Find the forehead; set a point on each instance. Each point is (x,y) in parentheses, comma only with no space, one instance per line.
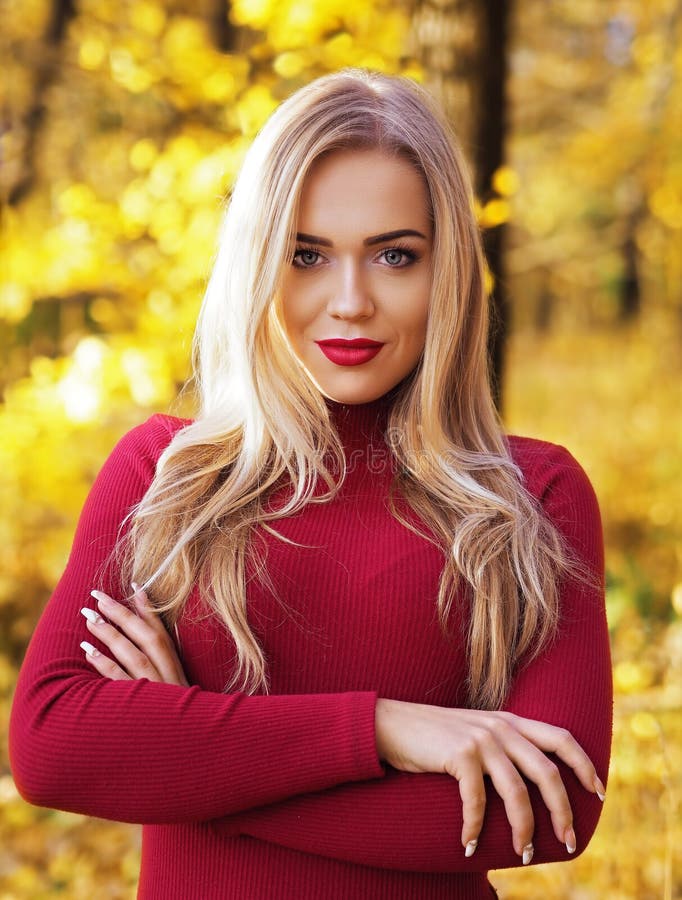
(367,191)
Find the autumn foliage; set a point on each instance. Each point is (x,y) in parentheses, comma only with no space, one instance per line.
(122,126)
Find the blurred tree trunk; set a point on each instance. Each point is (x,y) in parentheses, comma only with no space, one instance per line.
(47,69)
(463,46)
(223,32)
(630,294)
(489,140)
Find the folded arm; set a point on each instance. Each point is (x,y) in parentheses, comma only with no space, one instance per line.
(415,821)
(150,752)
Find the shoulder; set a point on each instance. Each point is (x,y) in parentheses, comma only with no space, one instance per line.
(131,465)
(149,439)
(122,482)
(545,466)
(158,430)
(553,476)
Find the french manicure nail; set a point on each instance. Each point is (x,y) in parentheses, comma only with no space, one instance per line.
(92,616)
(470,848)
(101,598)
(89,649)
(569,838)
(527,854)
(599,789)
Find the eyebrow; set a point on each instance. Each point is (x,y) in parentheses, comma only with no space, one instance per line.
(368,242)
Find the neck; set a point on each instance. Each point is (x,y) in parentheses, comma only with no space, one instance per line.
(360,422)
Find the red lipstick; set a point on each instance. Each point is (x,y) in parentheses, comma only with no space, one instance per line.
(353,352)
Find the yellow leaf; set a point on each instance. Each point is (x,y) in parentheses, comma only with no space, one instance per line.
(143,154)
(676,598)
(253,108)
(91,53)
(630,676)
(147,17)
(644,726)
(495,212)
(289,65)
(666,205)
(506,181)
(254,13)
(15,302)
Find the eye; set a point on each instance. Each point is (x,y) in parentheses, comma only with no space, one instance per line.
(306,258)
(397,257)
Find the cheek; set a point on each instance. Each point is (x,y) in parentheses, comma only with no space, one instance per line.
(297,305)
(419,336)
(418,331)
(415,318)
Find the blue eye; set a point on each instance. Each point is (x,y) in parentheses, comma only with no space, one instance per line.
(397,257)
(306,258)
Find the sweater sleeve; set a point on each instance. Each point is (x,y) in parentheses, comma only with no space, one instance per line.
(145,752)
(414,821)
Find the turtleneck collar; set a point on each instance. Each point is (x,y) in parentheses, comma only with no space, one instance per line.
(360,423)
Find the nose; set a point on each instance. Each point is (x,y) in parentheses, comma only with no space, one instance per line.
(350,297)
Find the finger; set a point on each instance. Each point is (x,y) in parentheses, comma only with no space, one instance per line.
(560,741)
(105,666)
(145,610)
(146,634)
(157,659)
(169,664)
(127,656)
(535,765)
(510,786)
(126,653)
(472,792)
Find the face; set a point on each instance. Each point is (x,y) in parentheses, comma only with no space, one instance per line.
(355,297)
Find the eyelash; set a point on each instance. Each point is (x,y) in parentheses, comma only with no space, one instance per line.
(299,252)
(410,255)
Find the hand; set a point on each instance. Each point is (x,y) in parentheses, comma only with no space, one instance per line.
(468,744)
(140,645)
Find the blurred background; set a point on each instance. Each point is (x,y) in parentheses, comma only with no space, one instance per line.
(122,125)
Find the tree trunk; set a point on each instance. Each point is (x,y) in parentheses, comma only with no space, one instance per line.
(61,13)
(490,132)
(223,32)
(630,294)
(463,46)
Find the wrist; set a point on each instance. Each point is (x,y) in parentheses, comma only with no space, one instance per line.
(384,716)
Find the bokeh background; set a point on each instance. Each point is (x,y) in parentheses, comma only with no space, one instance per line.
(122,124)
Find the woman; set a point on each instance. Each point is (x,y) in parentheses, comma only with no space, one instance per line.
(392,668)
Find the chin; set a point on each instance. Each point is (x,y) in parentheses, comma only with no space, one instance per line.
(352,388)
(352,399)
(353,396)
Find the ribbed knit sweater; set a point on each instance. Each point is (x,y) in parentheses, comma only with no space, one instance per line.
(283,795)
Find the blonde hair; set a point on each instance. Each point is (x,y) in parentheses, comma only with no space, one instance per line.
(261,420)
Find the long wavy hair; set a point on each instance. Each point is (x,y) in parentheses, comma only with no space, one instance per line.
(262,422)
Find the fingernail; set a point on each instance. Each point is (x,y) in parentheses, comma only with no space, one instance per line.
(600,789)
(89,649)
(569,838)
(470,848)
(92,616)
(527,854)
(101,598)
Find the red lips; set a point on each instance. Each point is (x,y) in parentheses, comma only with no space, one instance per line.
(354,352)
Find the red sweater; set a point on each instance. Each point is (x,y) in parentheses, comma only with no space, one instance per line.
(283,796)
